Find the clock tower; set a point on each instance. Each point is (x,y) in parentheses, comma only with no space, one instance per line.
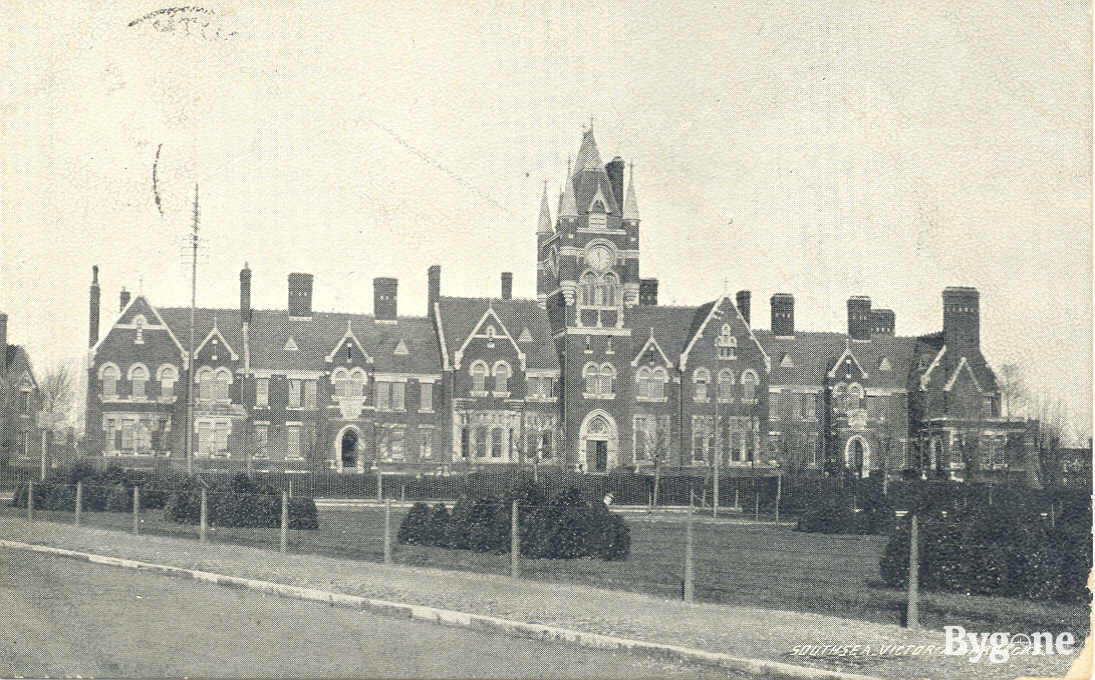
(588,264)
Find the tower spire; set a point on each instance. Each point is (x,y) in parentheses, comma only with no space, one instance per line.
(631,205)
(567,205)
(543,226)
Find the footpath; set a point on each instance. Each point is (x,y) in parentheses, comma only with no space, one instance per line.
(768,643)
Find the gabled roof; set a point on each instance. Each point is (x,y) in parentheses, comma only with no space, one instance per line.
(848,353)
(957,372)
(813,354)
(651,342)
(16,358)
(458,317)
(215,332)
(671,325)
(315,337)
(160,321)
(704,315)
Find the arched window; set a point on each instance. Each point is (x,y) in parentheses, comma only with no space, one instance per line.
(840,396)
(479,376)
(204,379)
(587,288)
(726,343)
(597,207)
(658,378)
(700,379)
(168,375)
(341,379)
(221,381)
(138,381)
(855,396)
(609,282)
(726,385)
(642,383)
(501,376)
(108,376)
(591,374)
(749,383)
(357,380)
(608,380)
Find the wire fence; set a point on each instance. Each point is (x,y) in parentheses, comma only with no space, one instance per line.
(684,555)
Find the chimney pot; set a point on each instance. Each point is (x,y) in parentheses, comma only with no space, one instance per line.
(384,298)
(783,314)
(859,317)
(93,308)
(743,298)
(433,287)
(300,294)
(245,294)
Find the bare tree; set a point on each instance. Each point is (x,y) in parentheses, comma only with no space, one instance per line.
(656,442)
(57,390)
(1050,431)
(1013,389)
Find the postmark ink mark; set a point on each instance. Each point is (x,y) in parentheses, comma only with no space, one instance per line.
(155,182)
(188,21)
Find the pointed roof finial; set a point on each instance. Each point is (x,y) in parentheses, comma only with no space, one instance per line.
(589,158)
(543,226)
(631,204)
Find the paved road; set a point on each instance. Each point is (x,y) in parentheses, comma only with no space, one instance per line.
(61,617)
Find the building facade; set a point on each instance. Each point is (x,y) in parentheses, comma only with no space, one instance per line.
(593,374)
(20,436)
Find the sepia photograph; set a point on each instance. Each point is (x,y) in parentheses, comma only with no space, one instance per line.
(546,339)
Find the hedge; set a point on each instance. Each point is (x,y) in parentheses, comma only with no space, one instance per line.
(239,502)
(1006,549)
(566,527)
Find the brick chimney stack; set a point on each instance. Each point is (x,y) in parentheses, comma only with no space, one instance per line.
(245,294)
(300,295)
(93,308)
(742,299)
(123,299)
(507,285)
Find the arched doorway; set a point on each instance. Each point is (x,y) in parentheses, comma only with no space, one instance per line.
(600,441)
(349,448)
(857,456)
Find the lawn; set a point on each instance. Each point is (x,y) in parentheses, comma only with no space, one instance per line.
(757,565)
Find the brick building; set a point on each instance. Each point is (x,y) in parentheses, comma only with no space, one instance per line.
(594,373)
(20,437)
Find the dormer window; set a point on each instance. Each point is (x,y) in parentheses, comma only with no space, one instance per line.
(726,343)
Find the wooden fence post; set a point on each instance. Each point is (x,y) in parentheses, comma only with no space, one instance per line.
(912,619)
(688,570)
(204,521)
(379,485)
(30,500)
(284,522)
(514,542)
(756,501)
(137,510)
(779,493)
(79,501)
(387,532)
(715,490)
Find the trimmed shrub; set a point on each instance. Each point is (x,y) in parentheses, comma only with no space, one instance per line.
(437,525)
(414,529)
(1004,549)
(239,502)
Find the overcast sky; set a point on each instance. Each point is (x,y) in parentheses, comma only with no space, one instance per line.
(881,148)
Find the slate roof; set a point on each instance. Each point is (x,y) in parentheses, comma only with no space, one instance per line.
(16,355)
(673,326)
(460,315)
(315,337)
(812,354)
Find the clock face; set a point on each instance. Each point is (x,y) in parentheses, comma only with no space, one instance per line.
(599,258)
